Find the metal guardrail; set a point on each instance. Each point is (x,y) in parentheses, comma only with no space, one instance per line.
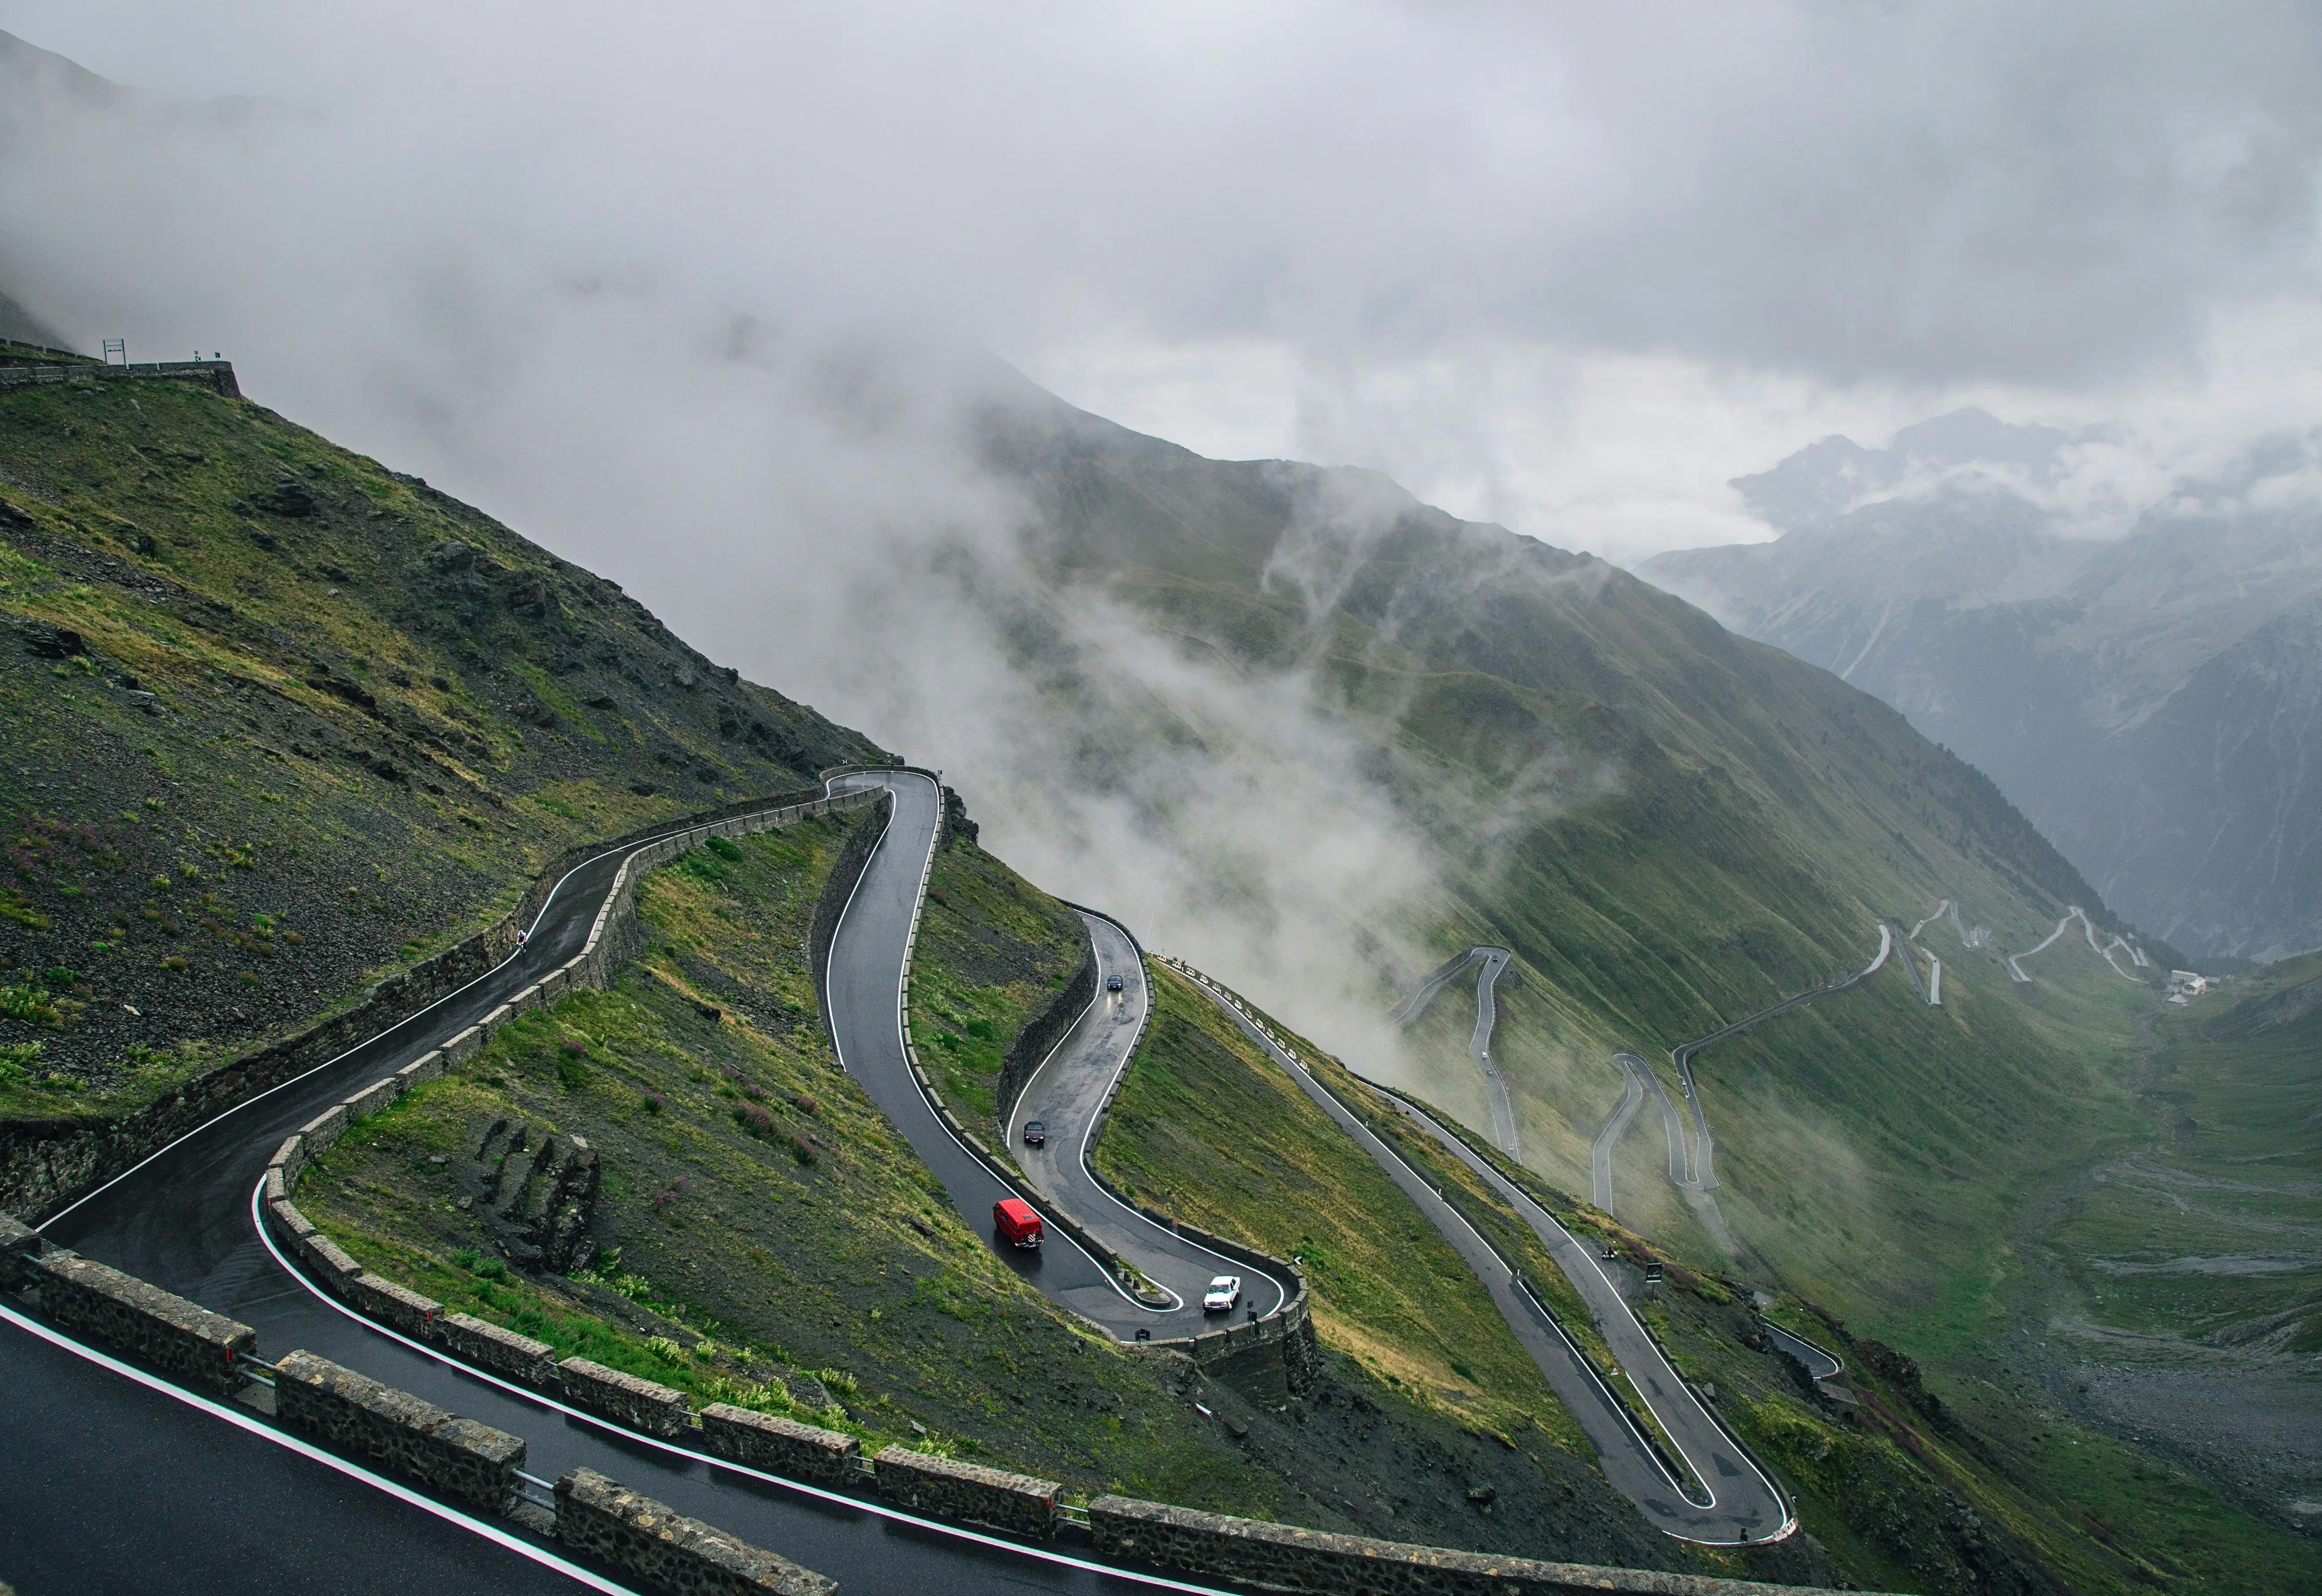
(256,1367)
(531,1488)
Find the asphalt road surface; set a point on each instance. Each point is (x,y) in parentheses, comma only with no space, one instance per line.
(1819,1364)
(1494,962)
(867,958)
(1740,1502)
(1066,1094)
(1701,1175)
(186,1220)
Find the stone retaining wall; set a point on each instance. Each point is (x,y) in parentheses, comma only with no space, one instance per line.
(1282,1557)
(179,1338)
(214,374)
(395,1431)
(945,1488)
(838,889)
(782,1446)
(1039,1036)
(667,1550)
(19,1246)
(640,1404)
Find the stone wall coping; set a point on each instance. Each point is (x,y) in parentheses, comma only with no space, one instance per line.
(975,1473)
(1321,1560)
(492,1348)
(19,1245)
(671,1551)
(657,1409)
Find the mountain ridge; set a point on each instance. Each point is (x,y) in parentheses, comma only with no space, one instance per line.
(2147,699)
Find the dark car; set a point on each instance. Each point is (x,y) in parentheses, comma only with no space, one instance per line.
(1036,1135)
(1112,983)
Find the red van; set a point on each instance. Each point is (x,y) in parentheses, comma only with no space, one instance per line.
(1018,1225)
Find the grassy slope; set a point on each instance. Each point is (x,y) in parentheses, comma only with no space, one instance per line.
(1209,1130)
(1909,1493)
(993,951)
(1672,826)
(842,1256)
(2169,1293)
(236,862)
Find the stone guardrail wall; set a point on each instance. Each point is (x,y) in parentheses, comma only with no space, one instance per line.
(47,1163)
(352,1413)
(1280,1557)
(217,374)
(949,1488)
(1041,1035)
(782,1446)
(180,1339)
(666,1549)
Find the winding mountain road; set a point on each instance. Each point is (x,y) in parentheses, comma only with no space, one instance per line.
(2102,951)
(869,956)
(1819,1364)
(1639,1080)
(1067,1094)
(1730,1501)
(1494,962)
(185,1219)
(1701,1167)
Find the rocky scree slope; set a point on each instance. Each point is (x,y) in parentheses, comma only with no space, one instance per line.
(281,719)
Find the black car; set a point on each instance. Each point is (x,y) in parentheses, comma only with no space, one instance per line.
(1112,983)
(1036,1135)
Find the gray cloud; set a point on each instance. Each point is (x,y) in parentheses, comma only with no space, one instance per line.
(683,293)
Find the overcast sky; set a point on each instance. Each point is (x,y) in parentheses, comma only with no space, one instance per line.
(1566,267)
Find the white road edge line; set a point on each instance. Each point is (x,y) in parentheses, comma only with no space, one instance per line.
(904,1040)
(1789,1519)
(292,1444)
(1281,1292)
(414,1015)
(635,1437)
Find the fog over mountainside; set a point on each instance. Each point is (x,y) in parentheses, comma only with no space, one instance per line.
(2152,700)
(962,378)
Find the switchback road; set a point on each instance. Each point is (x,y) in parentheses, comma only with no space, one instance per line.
(1731,1500)
(1067,1094)
(1494,962)
(186,1220)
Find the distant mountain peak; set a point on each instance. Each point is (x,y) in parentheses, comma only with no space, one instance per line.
(1970,449)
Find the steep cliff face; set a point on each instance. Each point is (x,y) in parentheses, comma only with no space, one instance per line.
(2147,700)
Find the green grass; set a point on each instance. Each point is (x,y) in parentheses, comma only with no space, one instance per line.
(293,658)
(992,954)
(716,1227)
(1208,1130)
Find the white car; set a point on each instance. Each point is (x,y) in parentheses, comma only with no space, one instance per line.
(1223,1293)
